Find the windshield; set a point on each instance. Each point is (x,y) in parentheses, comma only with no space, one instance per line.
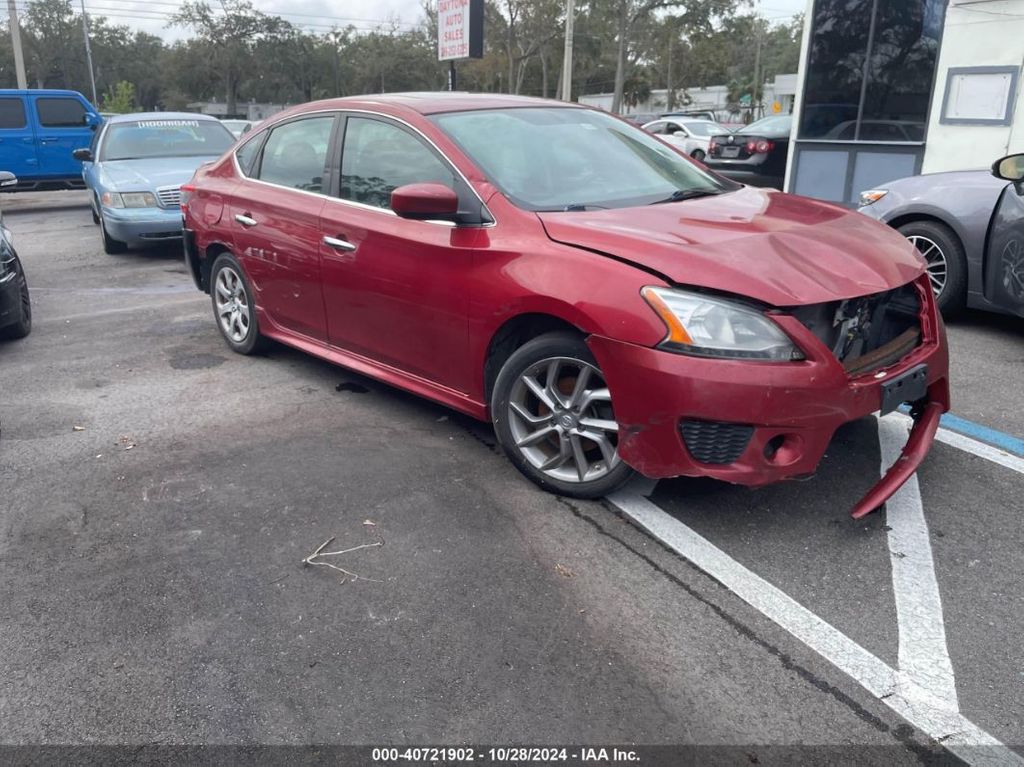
(564,158)
(165,138)
(780,124)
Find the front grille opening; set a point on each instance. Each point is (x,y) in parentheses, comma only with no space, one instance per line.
(715,442)
(869,332)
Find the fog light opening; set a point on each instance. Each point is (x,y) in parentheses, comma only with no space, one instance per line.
(772,446)
(783,449)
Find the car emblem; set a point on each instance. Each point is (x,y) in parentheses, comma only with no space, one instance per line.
(730,139)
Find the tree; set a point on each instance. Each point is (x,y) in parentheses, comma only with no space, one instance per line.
(119,98)
(230,38)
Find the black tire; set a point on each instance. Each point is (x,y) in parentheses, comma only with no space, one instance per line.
(698,155)
(252,342)
(111,246)
(92,209)
(572,348)
(953,296)
(23,326)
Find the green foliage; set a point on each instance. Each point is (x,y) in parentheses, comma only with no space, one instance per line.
(119,98)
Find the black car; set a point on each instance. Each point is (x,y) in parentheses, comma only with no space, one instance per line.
(755,154)
(15,305)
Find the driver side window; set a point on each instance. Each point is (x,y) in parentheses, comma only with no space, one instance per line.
(378,157)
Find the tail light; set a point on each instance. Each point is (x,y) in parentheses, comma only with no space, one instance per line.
(751,146)
(186,195)
(764,146)
(712,145)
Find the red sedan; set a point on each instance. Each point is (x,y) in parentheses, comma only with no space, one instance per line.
(609,305)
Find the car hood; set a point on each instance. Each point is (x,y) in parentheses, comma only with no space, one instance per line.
(148,174)
(781,249)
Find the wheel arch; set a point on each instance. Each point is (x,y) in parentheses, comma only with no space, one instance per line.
(205,265)
(512,334)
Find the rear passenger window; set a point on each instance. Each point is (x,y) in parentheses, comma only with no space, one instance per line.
(12,113)
(379,157)
(246,155)
(295,154)
(60,112)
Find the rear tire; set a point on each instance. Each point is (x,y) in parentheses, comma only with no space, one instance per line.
(698,155)
(234,307)
(110,246)
(947,262)
(23,326)
(552,414)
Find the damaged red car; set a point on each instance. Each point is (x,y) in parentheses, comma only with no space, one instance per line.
(609,305)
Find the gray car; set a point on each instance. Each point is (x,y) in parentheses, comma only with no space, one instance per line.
(135,168)
(969,228)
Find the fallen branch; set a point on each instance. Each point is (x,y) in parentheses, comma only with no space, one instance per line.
(349,575)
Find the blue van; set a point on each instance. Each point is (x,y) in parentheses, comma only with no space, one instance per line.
(39,129)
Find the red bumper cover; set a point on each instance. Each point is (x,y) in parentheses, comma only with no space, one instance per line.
(794,407)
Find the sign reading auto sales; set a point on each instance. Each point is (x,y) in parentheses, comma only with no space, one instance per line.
(460,29)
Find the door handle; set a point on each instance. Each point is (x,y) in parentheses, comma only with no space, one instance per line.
(338,244)
(245,220)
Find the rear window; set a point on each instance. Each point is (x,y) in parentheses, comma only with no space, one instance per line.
(60,112)
(165,138)
(12,113)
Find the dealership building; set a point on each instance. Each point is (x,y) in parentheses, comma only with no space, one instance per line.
(893,88)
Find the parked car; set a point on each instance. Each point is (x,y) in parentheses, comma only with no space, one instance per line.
(968,227)
(640,118)
(692,114)
(755,154)
(15,301)
(39,130)
(135,168)
(878,130)
(692,136)
(237,127)
(609,305)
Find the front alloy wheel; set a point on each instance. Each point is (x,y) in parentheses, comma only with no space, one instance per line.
(553,415)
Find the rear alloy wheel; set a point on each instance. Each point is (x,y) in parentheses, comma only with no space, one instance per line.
(945,262)
(23,326)
(553,416)
(111,246)
(233,306)
(698,155)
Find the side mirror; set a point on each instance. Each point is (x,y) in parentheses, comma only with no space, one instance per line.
(84,154)
(1010,168)
(422,202)
(7,179)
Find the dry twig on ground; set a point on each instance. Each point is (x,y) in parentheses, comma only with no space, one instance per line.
(348,574)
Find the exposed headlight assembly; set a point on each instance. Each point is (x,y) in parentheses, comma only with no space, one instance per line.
(128,200)
(706,326)
(872,196)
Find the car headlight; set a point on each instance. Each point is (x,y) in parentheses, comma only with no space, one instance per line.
(872,195)
(713,327)
(128,200)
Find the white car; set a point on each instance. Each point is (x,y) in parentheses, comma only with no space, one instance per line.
(692,136)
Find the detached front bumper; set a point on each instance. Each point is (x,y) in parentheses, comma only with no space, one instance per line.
(754,423)
(140,225)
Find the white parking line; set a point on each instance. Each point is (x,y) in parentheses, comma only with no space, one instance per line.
(915,703)
(923,655)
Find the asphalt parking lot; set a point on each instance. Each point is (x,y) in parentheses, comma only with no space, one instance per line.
(158,495)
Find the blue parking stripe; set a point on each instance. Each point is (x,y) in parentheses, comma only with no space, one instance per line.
(989,436)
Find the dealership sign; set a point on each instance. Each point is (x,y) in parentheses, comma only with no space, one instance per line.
(460,29)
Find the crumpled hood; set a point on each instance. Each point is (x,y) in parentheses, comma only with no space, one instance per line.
(781,249)
(147,175)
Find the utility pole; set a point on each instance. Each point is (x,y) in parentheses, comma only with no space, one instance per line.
(670,96)
(570,18)
(88,55)
(755,97)
(19,57)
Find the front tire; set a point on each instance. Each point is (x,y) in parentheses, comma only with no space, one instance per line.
(111,246)
(552,414)
(947,263)
(233,306)
(23,326)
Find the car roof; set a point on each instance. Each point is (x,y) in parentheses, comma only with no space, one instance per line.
(427,102)
(136,116)
(40,92)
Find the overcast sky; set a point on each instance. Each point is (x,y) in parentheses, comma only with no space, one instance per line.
(318,15)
